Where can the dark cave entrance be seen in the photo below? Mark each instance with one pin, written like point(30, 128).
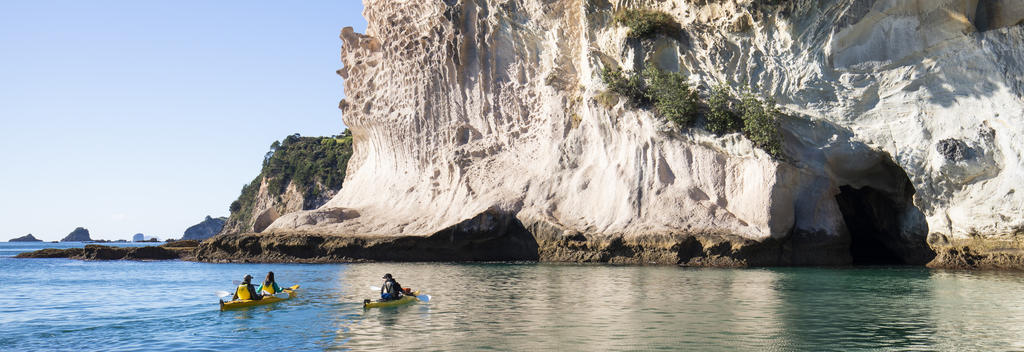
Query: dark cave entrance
point(873, 221)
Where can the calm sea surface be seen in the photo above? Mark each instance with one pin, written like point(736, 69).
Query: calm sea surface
point(60, 304)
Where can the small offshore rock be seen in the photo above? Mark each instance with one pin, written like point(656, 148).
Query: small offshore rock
point(80, 234)
point(26, 238)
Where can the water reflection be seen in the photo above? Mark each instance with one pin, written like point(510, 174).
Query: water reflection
point(856, 308)
point(502, 306)
point(582, 307)
point(572, 306)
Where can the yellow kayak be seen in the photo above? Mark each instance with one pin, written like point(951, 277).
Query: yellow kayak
point(392, 303)
point(266, 300)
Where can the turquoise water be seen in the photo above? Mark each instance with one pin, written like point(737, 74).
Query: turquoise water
point(60, 304)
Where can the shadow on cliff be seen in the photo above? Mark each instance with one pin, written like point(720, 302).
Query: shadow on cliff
point(845, 179)
point(489, 236)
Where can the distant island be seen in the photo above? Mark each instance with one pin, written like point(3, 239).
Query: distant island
point(78, 235)
point(143, 238)
point(206, 229)
point(26, 238)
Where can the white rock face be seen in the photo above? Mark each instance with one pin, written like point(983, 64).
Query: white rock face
point(464, 107)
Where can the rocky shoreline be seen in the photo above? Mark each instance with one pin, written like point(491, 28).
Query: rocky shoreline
point(184, 250)
point(978, 253)
point(695, 250)
point(502, 237)
point(455, 245)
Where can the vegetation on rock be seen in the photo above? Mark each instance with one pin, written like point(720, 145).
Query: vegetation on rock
point(667, 92)
point(757, 118)
point(644, 23)
point(720, 118)
point(309, 163)
point(671, 96)
point(631, 87)
point(673, 99)
point(761, 123)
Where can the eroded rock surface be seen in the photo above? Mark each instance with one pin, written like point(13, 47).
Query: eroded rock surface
point(903, 118)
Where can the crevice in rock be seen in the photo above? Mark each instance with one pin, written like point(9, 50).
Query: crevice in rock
point(883, 225)
point(489, 236)
point(871, 219)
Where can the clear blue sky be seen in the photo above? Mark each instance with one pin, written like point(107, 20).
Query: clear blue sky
point(128, 116)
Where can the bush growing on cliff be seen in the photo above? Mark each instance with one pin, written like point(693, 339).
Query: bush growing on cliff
point(646, 23)
point(761, 123)
point(631, 87)
point(720, 118)
point(672, 97)
point(667, 92)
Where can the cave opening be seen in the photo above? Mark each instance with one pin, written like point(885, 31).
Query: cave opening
point(872, 219)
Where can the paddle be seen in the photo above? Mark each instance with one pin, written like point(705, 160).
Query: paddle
point(424, 298)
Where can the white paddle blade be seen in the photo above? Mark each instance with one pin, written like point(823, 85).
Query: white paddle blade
point(375, 288)
point(236, 282)
point(424, 298)
point(222, 294)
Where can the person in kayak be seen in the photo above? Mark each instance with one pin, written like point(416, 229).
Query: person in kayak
point(391, 289)
point(269, 286)
point(246, 291)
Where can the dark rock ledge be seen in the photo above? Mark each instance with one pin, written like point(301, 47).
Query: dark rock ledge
point(978, 252)
point(497, 237)
point(172, 250)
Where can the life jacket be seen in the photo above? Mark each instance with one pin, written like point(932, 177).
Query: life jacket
point(269, 288)
point(243, 292)
point(389, 287)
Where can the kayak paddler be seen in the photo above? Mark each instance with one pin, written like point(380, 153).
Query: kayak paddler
point(390, 289)
point(269, 286)
point(245, 291)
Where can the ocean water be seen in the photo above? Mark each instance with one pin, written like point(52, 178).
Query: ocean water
point(60, 304)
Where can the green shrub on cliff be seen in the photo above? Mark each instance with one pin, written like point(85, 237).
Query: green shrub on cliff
point(667, 92)
point(761, 123)
point(646, 23)
point(632, 87)
point(671, 96)
point(674, 100)
point(720, 118)
point(309, 163)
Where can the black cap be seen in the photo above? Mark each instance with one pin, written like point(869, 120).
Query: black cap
point(386, 276)
point(247, 278)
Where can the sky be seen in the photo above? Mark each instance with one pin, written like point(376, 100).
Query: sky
point(129, 116)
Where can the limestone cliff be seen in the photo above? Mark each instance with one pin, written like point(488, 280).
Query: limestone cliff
point(299, 173)
point(477, 127)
